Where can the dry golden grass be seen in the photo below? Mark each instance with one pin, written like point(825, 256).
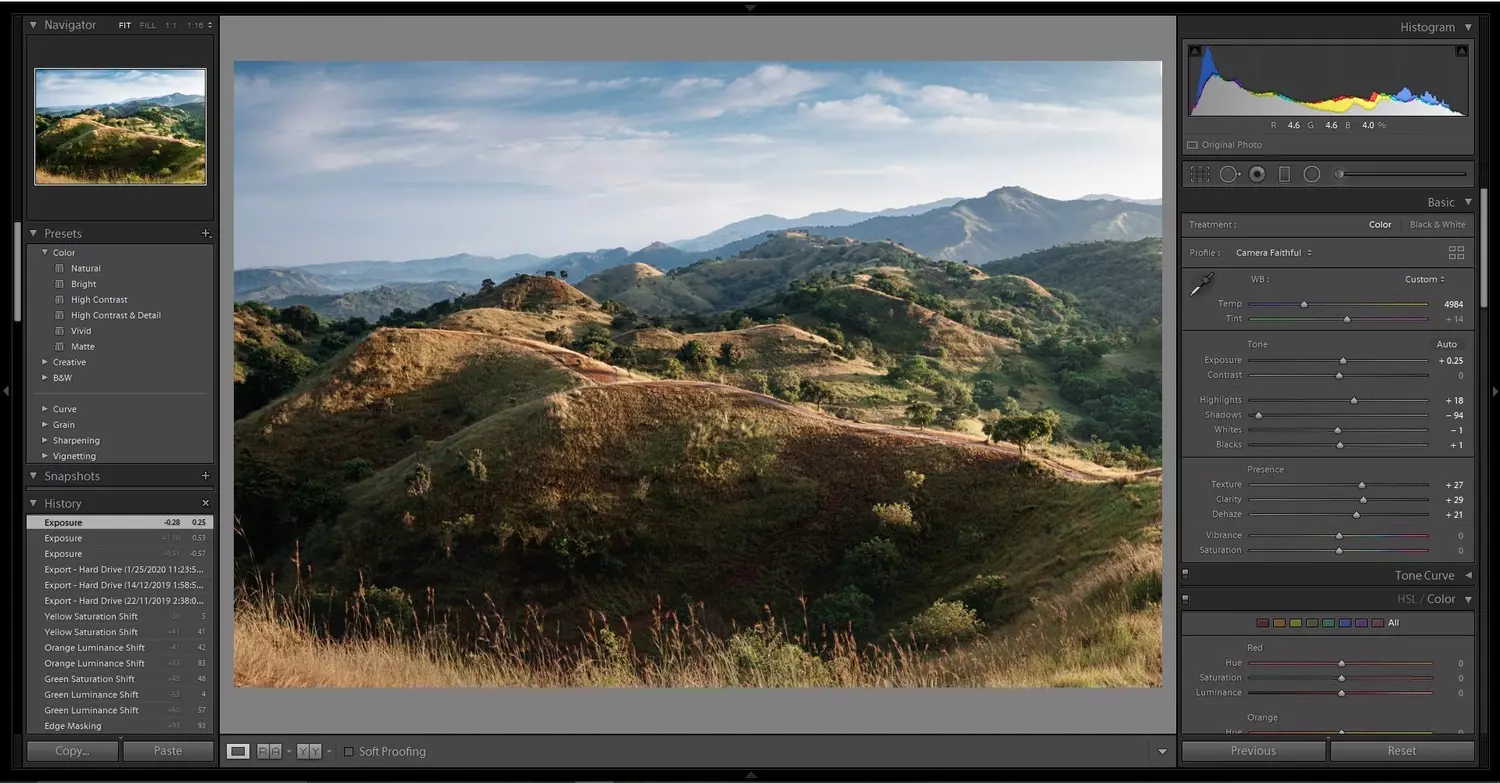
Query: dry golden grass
point(609, 283)
point(533, 293)
point(962, 343)
point(527, 325)
point(1105, 632)
point(1029, 284)
point(196, 174)
point(432, 382)
point(766, 347)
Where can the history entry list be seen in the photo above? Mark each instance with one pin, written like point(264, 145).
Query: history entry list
point(120, 341)
point(119, 621)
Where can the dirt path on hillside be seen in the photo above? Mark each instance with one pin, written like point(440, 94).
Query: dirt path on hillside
point(607, 374)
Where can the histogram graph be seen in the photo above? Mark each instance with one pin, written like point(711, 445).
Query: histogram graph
point(1328, 80)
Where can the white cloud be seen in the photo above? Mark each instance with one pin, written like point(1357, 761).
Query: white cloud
point(690, 85)
point(868, 109)
point(882, 83)
point(506, 85)
point(889, 170)
point(766, 87)
point(68, 87)
point(745, 139)
point(376, 151)
point(937, 97)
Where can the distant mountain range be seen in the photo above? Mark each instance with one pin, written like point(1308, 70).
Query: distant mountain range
point(371, 303)
point(1109, 197)
point(122, 107)
point(1001, 224)
point(761, 224)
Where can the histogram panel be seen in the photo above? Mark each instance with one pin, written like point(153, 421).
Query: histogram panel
point(1329, 80)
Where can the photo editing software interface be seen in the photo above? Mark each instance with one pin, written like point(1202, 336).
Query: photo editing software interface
point(750, 392)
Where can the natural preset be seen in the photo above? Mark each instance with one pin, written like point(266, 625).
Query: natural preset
point(682, 375)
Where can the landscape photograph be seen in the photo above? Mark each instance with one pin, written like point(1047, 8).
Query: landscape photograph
point(121, 126)
point(696, 374)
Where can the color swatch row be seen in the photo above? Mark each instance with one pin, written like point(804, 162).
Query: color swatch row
point(1320, 622)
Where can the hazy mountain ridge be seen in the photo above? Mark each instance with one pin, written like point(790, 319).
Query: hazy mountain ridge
point(1004, 223)
point(1112, 197)
point(1008, 222)
point(173, 99)
point(372, 303)
point(760, 224)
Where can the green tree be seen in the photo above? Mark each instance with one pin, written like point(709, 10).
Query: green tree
point(730, 354)
point(300, 317)
point(563, 274)
point(955, 401)
point(695, 355)
point(986, 394)
point(945, 622)
point(419, 483)
point(271, 371)
point(785, 384)
point(816, 392)
point(672, 369)
point(921, 414)
point(358, 469)
point(622, 356)
point(895, 515)
point(848, 611)
point(474, 465)
point(315, 502)
point(876, 567)
point(1026, 428)
point(486, 285)
point(912, 370)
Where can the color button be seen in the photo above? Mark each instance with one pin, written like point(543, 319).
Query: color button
point(1296, 622)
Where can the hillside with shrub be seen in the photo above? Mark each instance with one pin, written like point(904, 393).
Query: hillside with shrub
point(820, 462)
point(136, 143)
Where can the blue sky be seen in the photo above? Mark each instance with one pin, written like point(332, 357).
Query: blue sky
point(394, 161)
point(76, 86)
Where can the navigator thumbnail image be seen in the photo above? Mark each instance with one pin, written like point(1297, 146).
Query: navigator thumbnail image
point(1349, 82)
point(121, 126)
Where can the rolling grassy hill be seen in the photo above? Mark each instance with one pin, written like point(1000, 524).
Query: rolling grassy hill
point(1003, 223)
point(623, 503)
point(530, 293)
point(141, 143)
point(531, 326)
point(615, 281)
point(1118, 283)
point(524, 486)
point(745, 280)
point(905, 327)
point(372, 303)
point(267, 284)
